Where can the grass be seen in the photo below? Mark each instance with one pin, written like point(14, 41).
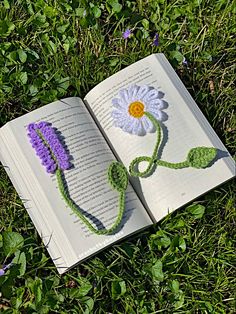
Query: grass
point(49, 50)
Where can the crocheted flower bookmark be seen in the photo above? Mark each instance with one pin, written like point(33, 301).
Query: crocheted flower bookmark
point(54, 157)
point(48, 147)
point(137, 111)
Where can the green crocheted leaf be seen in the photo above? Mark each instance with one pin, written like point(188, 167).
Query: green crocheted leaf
point(201, 157)
point(118, 176)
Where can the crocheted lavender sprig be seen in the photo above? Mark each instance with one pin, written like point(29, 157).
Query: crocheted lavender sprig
point(44, 140)
point(46, 143)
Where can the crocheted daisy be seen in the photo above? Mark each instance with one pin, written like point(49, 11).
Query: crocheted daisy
point(138, 110)
point(130, 109)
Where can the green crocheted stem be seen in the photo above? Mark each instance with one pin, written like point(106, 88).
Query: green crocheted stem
point(48, 146)
point(178, 165)
point(151, 160)
point(198, 157)
point(76, 211)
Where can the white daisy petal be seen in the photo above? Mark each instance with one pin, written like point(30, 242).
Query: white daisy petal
point(124, 95)
point(151, 106)
point(151, 95)
point(132, 126)
point(130, 92)
point(129, 125)
point(126, 125)
point(118, 117)
point(142, 92)
point(157, 103)
point(147, 124)
point(119, 103)
point(117, 113)
point(122, 122)
point(119, 123)
point(136, 127)
point(134, 94)
point(135, 121)
point(158, 115)
point(140, 129)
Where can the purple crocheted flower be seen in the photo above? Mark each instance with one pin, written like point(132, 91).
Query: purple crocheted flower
point(48, 147)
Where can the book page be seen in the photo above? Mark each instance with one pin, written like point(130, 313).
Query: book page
point(185, 128)
point(86, 180)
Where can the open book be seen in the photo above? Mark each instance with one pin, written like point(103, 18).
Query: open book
point(94, 142)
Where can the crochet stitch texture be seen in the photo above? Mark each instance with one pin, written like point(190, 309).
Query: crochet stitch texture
point(129, 109)
point(54, 157)
point(48, 147)
point(139, 110)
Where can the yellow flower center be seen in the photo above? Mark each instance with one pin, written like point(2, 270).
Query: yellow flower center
point(136, 109)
